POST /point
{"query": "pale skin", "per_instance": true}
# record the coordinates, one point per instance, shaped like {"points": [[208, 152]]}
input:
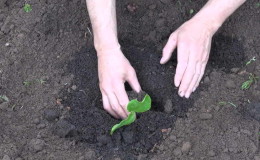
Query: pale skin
{"points": [[192, 40]]}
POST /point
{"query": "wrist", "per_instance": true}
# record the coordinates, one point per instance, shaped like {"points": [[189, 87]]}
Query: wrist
{"points": [[213, 24], [107, 48]]}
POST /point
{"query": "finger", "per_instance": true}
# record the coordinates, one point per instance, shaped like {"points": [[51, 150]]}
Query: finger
{"points": [[122, 96], [107, 106], [133, 81], [194, 80], [169, 48], [203, 67], [183, 58], [187, 78], [116, 106]]}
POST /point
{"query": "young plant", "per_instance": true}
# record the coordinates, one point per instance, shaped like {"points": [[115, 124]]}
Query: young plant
{"points": [[250, 61], [134, 106], [4, 97], [27, 8], [247, 84]]}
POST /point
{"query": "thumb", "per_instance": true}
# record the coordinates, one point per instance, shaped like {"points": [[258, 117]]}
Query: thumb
{"points": [[133, 82], [169, 48]]}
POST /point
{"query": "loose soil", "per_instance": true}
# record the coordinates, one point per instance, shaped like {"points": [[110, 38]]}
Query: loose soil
{"points": [[48, 71]]}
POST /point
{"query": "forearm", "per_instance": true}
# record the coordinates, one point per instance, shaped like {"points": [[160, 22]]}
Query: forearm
{"points": [[215, 12], [103, 18]]}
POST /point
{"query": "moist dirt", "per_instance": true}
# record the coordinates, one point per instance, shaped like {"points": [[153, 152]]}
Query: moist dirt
{"points": [[53, 109]]}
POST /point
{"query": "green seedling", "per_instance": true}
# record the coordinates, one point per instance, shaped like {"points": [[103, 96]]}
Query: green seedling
{"points": [[257, 4], [4, 97], [27, 8], [134, 106], [247, 84], [225, 103], [41, 81], [27, 83], [191, 11], [250, 61]]}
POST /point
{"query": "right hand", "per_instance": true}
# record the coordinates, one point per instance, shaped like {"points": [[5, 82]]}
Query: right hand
{"points": [[113, 71]]}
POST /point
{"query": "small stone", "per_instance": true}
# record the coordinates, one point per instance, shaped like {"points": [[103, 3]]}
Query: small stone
{"points": [[172, 137], [168, 106], [160, 22], [6, 157], [81, 158], [211, 153], [230, 84], [7, 44], [235, 129], [247, 132], [257, 157], [36, 145], [41, 126], [186, 147], [63, 128], [216, 108], [234, 70], [177, 152], [142, 157], [36, 121], [4, 105], [152, 6], [104, 139], [206, 80], [51, 114], [128, 137], [74, 87], [90, 155], [205, 116]]}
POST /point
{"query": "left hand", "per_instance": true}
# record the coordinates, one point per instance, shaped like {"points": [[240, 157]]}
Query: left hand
{"points": [[193, 40]]}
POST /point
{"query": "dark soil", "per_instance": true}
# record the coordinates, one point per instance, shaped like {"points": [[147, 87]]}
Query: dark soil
{"points": [[57, 113]]}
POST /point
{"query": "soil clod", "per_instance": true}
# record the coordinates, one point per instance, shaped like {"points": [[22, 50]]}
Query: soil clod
{"points": [[63, 128]]}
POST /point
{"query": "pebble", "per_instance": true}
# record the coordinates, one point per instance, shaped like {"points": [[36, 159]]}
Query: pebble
{"points": [[172, 137], [36, 121], [142, 157], [51, 114], [206, 80], [205, 116], [36, 145], [6, 157], [257, 157], [41, 126], [177, 152], [247, 132], [160, 22], [4, 105], [235, 129], [230, 84], [103, 139], [128, 137], [234, 70], [63, 128], [74, 87], [186, 147], [90, 155], [152, 6], [211, 153], [168, 106]]}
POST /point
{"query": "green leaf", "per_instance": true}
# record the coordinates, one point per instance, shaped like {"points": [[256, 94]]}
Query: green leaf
{"points": [[27, 8], [139, 107], [130, 119]]}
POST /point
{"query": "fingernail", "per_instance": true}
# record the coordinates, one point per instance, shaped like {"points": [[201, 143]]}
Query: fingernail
{"points": [[187, 95], [181, 93], [193, 89], [162, 60], [176, 83]]}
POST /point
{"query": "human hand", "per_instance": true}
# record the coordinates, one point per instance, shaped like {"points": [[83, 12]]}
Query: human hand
{"points": [[193, 40], [113, 71]]}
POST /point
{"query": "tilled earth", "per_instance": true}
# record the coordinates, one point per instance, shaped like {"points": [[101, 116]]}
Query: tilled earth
{"points": [[51, 108]]}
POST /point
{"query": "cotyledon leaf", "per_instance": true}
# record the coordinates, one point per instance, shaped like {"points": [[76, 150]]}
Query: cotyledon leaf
{"points": [[139, 107], [130, 119]]}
